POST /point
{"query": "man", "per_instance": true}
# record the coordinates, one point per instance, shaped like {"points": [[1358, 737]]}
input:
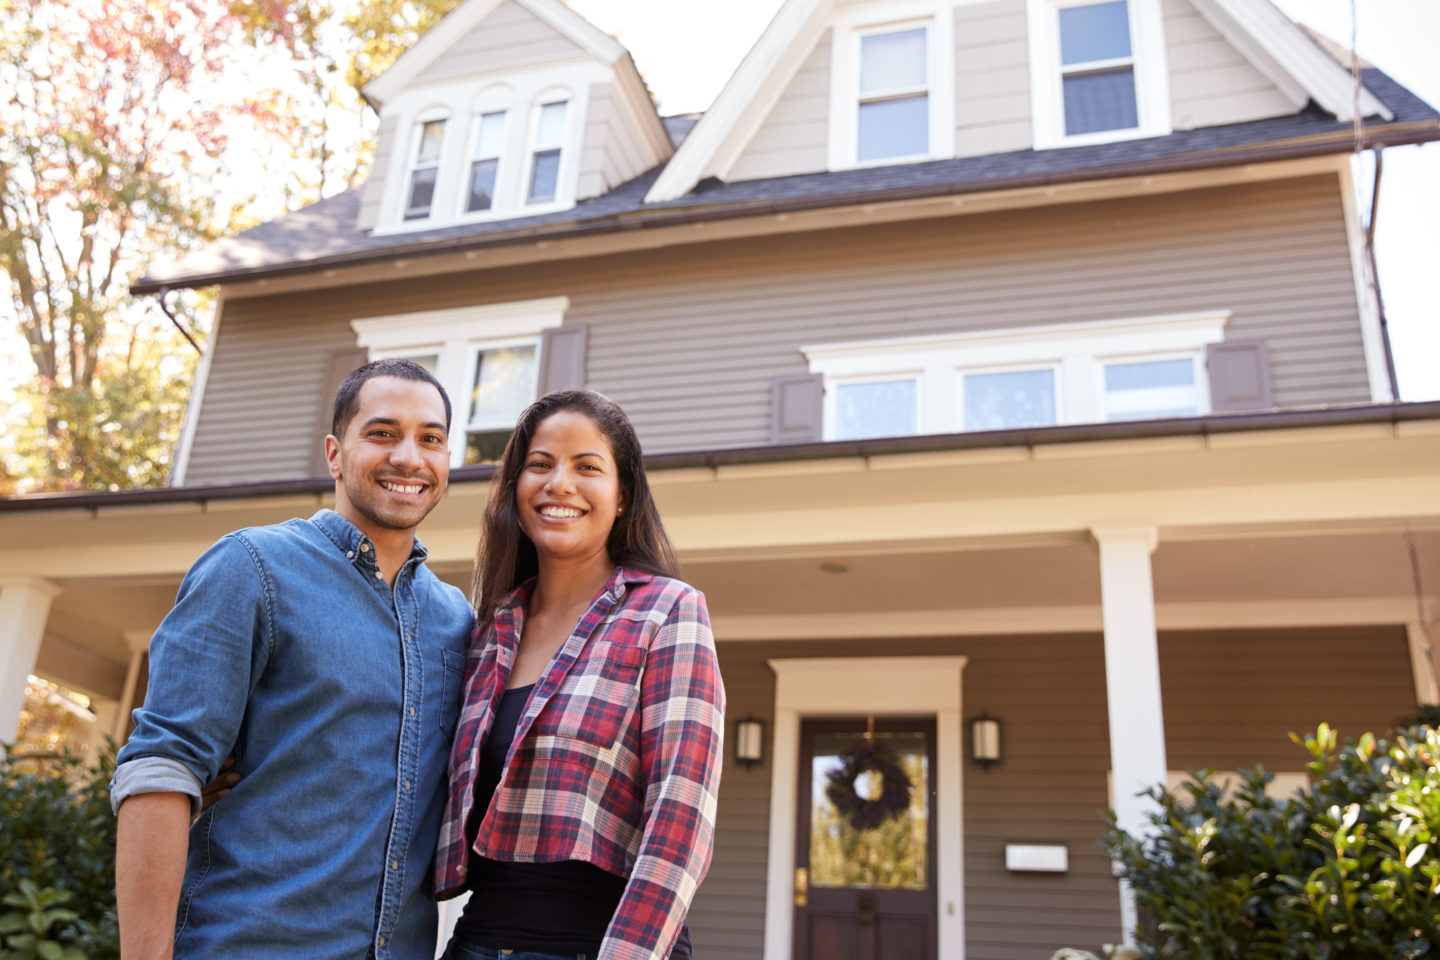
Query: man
{"points": [[327, 659]]}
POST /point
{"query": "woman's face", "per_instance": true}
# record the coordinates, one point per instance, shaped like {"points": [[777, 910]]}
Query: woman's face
{"points": [[568, 493]]}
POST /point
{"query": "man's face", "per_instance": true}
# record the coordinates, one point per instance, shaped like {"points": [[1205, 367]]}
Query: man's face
{"points": [[391, 466]]}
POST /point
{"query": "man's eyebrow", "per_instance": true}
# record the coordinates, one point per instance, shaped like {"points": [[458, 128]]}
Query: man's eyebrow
{"points": [[392, 422]]}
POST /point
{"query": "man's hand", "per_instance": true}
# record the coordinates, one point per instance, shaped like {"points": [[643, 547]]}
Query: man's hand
{"points": [[217, 788], [153, 836]]}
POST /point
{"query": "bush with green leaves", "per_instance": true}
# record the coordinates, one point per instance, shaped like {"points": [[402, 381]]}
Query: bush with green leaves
{"points": [[57, 858], [1348, 869]]}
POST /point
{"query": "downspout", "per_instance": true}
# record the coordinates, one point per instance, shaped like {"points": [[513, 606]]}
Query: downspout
{"points": [[1375, 275]]}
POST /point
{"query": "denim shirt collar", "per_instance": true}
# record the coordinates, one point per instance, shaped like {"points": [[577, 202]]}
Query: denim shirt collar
{"points": [[354, 544]]}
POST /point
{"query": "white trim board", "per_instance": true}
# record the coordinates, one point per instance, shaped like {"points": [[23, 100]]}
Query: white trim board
{"points": [[914, 686], [180, 466]]}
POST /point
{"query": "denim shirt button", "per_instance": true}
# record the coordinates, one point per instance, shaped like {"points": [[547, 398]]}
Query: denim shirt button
{"points": [[350, 554], [379, 575]]}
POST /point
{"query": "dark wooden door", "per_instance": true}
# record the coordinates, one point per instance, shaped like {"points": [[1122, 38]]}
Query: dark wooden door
{"points": [[865, 879]]}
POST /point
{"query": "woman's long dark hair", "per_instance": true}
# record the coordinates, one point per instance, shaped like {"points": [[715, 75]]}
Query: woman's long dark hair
{"points": [[506, 557]]}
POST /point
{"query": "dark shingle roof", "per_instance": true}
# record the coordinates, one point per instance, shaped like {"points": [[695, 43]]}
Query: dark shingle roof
{"points": [[324, 234]]}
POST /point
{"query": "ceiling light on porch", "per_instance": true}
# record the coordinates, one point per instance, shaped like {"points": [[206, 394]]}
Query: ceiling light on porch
{"points": [[832, 566], [985, 740]]}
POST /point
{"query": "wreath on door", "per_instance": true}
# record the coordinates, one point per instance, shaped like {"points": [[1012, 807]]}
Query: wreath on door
{"points": [[866, 814]]}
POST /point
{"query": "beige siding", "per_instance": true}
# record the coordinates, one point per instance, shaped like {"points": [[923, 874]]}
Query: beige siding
{"points": [[1210, 81], [688, 338], [599, 114], [510, 37], [387, 148], [992, 78], [1230, 700], [794, 138]]}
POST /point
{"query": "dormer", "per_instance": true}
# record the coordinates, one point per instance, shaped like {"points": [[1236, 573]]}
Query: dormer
{"points": [[506, 109]]}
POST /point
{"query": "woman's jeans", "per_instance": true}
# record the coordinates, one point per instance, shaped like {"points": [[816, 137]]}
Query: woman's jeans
{"points": [[464, 951]]}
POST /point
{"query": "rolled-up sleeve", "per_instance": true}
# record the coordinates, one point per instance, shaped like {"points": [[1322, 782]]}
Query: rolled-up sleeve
{"points": [[682, 734], [205, 660]]}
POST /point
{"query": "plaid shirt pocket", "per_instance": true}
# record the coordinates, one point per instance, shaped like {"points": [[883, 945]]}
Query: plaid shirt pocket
{"points": [[597, 696]]}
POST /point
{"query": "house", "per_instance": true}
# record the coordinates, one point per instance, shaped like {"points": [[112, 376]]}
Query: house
{"points": [[1011, 360]]}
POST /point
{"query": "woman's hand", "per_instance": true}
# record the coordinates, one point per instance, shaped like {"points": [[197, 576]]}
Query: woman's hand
{"points": [[211, 793]]}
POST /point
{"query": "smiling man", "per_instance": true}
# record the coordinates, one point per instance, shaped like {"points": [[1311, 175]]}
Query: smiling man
{"points": [[327, 660]]}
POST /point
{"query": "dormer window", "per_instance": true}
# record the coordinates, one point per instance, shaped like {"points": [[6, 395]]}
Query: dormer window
{"points": [[425, 169], [1097, 71], [1097, 68], [545, 155], [485, 161], [894, 110]]}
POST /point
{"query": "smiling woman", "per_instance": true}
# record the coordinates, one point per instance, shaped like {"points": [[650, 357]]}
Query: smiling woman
{"points": [[587, 759]]}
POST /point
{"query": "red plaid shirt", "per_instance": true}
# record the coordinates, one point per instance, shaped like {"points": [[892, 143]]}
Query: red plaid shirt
{"points": [[616, 758]]}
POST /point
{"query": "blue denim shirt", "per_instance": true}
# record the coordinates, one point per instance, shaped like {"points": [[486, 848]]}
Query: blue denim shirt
{"points": [[337, 698]]}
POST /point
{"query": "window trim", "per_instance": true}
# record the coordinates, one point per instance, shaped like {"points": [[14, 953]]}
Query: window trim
{"points": [[1197, 358], [533, 148], [1057, 384], [831, 396], [417, 134], [473, 157], [454, 335], [1077, 351], [865, 19], [1150, 65]]}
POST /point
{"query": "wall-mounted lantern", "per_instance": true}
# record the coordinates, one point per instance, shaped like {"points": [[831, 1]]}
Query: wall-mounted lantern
{"points": [[985, 740], [749, 741]]}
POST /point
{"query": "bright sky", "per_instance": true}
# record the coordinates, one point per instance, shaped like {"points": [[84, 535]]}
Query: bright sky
{"points": [[686, 54]]}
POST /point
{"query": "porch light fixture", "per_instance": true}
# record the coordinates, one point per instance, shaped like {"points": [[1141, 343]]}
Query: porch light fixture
{"points": [[985, 740], [749, 741]]}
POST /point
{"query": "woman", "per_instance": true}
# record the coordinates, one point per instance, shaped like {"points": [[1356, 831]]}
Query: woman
{"points": [[586, 761]]}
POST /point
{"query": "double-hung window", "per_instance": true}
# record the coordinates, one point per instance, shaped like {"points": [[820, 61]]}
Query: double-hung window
{"points": [[893, 115], [546, 152], [1097, 68], [1145, 369], [502, 384], [425, 169], [485, 161]]}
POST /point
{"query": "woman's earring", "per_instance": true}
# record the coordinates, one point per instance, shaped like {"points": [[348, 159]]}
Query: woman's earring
{"points": [[620, 512]]}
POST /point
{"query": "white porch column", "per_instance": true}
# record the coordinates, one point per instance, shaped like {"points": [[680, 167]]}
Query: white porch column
{"points": [[139, 643], [1132, 680], [24, 608]]}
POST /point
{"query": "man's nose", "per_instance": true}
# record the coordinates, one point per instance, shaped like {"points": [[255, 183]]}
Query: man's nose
{"points": [[406, 453]]}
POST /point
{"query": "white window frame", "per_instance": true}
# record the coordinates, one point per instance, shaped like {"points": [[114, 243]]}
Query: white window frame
{"points": [[533, 148], [872, 17], [1151, 71], [496, 98], [417, 132], [456, 336], [831, 398], [1077, 352]]}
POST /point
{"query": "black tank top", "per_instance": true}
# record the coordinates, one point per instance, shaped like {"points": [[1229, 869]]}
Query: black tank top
{"points": [[562, 907]]}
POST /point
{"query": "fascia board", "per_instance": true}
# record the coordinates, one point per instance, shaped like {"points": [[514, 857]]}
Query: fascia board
{"points": [[795, 26], [467, 17], [1279, 48], [632, 88]]}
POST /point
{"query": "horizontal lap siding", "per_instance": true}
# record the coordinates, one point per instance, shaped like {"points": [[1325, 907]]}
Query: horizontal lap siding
{"points": [[689, 338], [1211, 82], [794, 137], [1230, 698], [510, 37]]}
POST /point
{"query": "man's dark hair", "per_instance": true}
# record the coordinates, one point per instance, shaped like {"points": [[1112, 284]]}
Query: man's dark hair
{"points": [[347, 398]]}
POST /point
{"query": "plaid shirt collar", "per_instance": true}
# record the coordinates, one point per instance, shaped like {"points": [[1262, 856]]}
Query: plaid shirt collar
{"points": [[619, 582]]}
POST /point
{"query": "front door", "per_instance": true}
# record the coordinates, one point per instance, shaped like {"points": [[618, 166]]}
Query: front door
{"points": [[865, 843]]}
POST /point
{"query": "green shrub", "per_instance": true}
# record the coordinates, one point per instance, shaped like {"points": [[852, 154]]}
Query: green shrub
{"points": [[57, 833], [1348, 869]]}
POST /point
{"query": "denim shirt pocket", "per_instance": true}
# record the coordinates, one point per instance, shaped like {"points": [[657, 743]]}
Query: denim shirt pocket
{"points": [[454, 677]]}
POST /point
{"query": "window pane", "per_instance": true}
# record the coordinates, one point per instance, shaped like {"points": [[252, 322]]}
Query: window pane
{"points": [[429, 361], [544, 176], [504, 385], [431, 134], [1100, 31], [1100, 101], [1000, 401], [551, 132], [482, 184], [485, 446], [490, 135], [1150, 390], [422, 191], [894, 128], [892, 61], [882, 409]]}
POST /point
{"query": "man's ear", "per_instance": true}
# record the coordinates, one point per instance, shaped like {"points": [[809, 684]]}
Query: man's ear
{"points": [[332, 457]]}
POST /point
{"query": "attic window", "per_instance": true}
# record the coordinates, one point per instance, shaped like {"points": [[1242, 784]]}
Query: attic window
{"points": [[425, 169], [545, 159], [1097, 67], [485, 161], [894, 109]]}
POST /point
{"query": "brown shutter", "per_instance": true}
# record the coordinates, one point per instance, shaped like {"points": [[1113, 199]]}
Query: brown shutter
{"points": [[562, 358], [1239, 375], [339, 366], [797, 408]]}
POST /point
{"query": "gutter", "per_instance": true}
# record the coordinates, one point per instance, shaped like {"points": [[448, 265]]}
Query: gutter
{"points": [[678, 214], [1215, 424]]}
